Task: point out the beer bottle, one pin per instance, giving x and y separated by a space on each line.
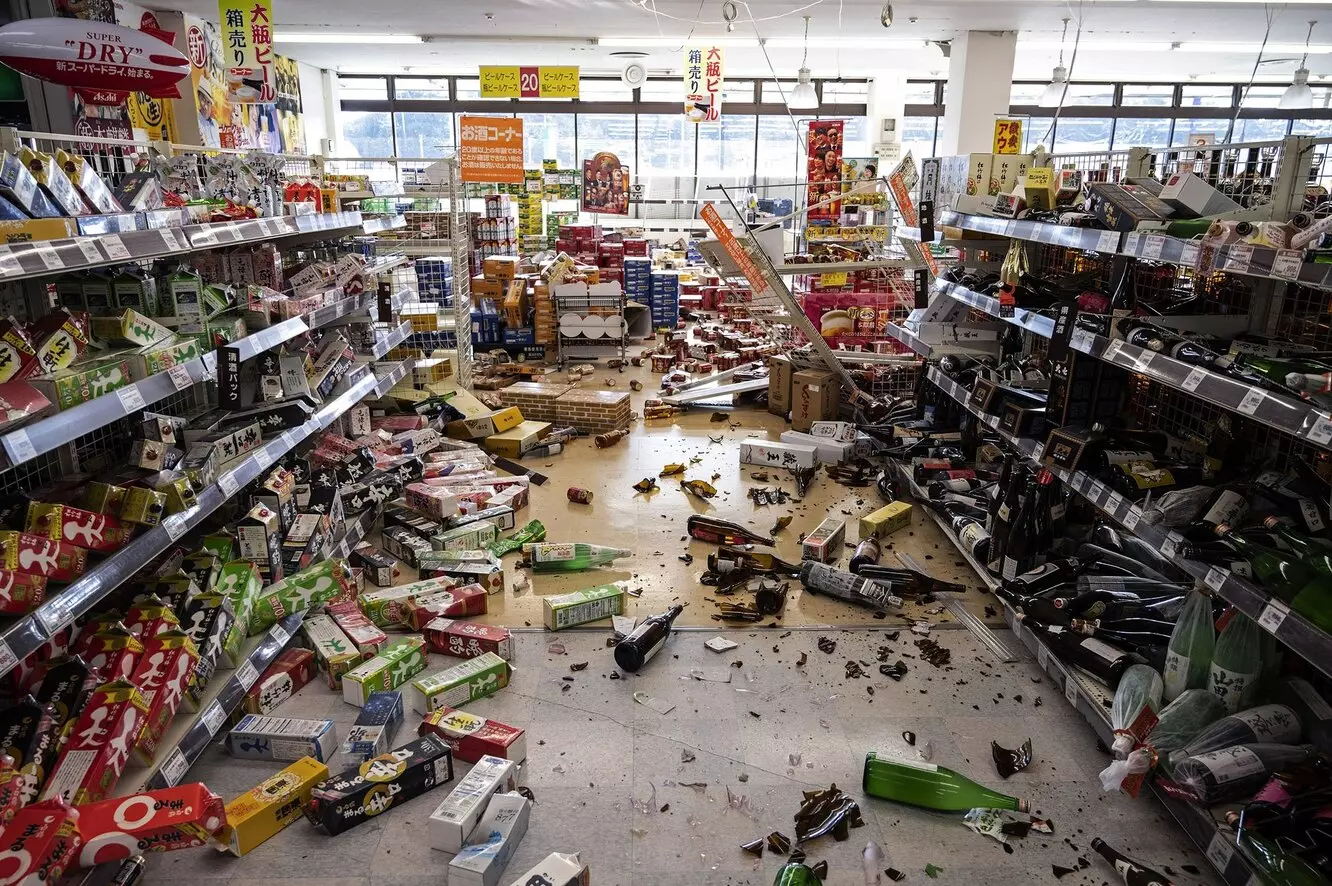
723 532
646 640
1132 872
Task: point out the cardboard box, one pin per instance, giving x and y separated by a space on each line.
557 869
580 607
836 431
815 395
41 841
824 544
1120 209
778 455
780 372
465 639
282 739
379 568
182 817
1192 196
1039 188
978 173
163 673
400 661
513 442
472 737
1006 171
886 520
464 682
372 787
436 501
828 452
265 810
453 820
334 649
376 725
492 843
282 679
99 747
456 602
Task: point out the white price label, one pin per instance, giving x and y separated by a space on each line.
1152 248
175 526
1216 577
169 238
205 237
115 247
1188 255
1145 359
1042 656
1170 546
1081 341
312 426
89 250
289 440
280 634
1194 378
1081 482
1070 688
273 226
263 458
7 657
46 252
175 767
1238 258
53 621
180 376
1131 518
1220 851
1286 264
1113 502
1131 244
9 264
210 363
246 675
1108 241
131 399
19 447
1274 613
1112 351
213 717
228 483
1321 432
1252 400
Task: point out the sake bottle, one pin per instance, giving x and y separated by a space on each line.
571 557
1273 865
1265 724
1189 653
722 532
1236 771
1139 687
930 786
820 578
1132 872
1237 662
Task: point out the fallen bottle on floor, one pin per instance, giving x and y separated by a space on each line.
571 557
1133 873
930 786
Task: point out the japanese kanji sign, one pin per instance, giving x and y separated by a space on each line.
491 149
546 81
704 73
735 249
1007 136
247 46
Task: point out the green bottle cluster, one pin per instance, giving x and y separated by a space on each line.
1302 577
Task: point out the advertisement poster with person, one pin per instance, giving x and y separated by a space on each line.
605 185
860 182
824 168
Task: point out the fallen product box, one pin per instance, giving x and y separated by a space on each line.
580 607
370 788
282 739
494 840
465 639
376 726
266 809
464 682
557 869
335 650
398 663
182 817
472 737
453 820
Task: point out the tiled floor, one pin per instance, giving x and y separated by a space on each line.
611 781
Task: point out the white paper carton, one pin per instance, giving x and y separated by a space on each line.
837 431
778 455
557 869
830 451
453 820
483 860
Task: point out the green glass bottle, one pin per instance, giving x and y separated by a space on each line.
571 557
1237 663
796 874
1280 573
930 786
1273 866
1318 551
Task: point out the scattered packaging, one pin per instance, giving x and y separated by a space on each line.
324 581
380 569
465 639
262 812
282 739
557 869
886 520
581 607
40 843
469 599
54 560
825 542
370 788
778 455
335 650
280 681
453 820
375 727
367 638
182 817
399 662
472 737
492 843
465 682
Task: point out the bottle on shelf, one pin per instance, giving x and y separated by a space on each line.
1275 570
646 640
1097 657
1266 724
1227 504
1139 687
1238 771
930 786
1273 865
723 532
1133 873
1237 663
1189 653
1020 549
571 557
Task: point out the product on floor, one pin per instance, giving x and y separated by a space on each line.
372 787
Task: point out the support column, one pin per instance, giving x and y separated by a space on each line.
980 83
887 102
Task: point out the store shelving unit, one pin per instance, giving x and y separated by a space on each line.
1088 239
1284 265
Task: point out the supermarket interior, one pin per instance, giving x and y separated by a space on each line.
797 442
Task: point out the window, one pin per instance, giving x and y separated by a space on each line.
427 88
1149 132
1036 131
1208 96
1261 96
469 89
772 95
920 92
1026 93
663 91
836 93
362 88
918 136
1260 130
1188 131
607 132
727 150
1316 128
1089 94
548 137
605 90
857 140
666 144
1081 135
1141 95
739 92
367 134
780 147
424 135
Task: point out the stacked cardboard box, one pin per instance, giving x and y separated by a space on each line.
593 412
545 315
536 400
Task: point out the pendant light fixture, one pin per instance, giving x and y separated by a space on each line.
1053 96
803 97
1298 96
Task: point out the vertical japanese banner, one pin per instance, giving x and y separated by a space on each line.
824 147
704 75
247 39
491 149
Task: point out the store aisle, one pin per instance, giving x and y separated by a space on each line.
651 798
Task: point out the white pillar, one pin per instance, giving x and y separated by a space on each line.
887 102
980 83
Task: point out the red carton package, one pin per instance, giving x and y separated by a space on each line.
40 843
465 639
149 616
157 821
20 593
114 652
359 629
87 529
471 737
99 745
283 678
18 358
417 612
25 552
164 671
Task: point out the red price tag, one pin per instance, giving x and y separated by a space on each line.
529 82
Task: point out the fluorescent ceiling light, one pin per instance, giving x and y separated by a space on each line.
842 43
1251 2
321 37
1271 48
674 42
1099 45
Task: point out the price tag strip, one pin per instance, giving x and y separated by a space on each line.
175 767
213 717
1070 689
131 398
1321 432
1216 577
1273 615
1252 400
89 250
115 247
246 674
19 448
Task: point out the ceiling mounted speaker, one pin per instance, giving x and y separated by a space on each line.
634 75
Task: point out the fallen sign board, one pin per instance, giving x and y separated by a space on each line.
735 249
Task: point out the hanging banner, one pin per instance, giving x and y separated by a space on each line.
605 185
247 35
545 81
1007 137
824 145
491 149
704 74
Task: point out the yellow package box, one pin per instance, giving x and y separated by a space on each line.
515 441
886 520
263 811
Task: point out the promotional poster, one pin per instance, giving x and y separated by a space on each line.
825 167
605 185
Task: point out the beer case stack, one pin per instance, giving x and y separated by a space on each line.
537 401
593 412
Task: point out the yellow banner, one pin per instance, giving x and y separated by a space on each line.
559 81
1007 137
513 81
704 74
835 279
247 49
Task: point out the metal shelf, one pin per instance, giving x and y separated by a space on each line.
47 257
1035 323
415 249
903 334
1284 265
1090 239
389 223
27 634
387 341
842 267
